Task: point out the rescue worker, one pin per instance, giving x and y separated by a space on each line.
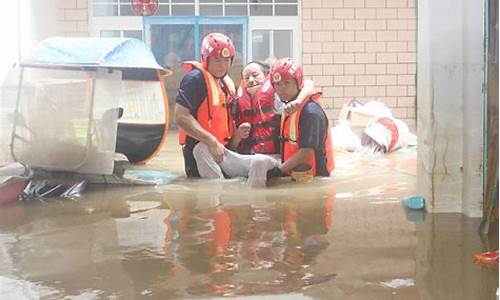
304 134
206 126
257 111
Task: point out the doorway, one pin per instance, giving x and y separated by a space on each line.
174 40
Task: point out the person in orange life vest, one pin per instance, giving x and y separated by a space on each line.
205 123
257 111
305 134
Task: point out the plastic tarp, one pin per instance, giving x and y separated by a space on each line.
67 120
71 93
94 52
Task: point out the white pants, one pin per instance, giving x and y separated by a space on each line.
254 167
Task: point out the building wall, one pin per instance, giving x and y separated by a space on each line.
364 49
72 17
450 105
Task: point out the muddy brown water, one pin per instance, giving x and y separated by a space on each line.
345 237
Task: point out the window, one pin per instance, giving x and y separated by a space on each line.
274 27
110 8
137 34
273 37
268 45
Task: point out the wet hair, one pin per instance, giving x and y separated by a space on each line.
265 68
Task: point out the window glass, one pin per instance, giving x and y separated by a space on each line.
172 43
104 10
109 33
282 43
136 34
182 10
261 45
236 10
126 10
285 10
261 10
210 10
163 10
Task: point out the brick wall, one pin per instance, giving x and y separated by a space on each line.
351 48
72 17
364 49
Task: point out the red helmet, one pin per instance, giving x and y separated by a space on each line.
216 44
286 69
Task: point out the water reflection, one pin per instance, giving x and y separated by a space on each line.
246 248
178 243
202 239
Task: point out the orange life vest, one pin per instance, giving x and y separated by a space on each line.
260 113
290 134
213 114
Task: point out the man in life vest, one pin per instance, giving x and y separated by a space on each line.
304 134
257 111
203 116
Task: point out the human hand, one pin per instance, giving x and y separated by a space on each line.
243 131
291 106
217 150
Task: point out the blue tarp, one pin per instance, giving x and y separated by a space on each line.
94 52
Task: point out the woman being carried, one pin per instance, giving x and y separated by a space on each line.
257 111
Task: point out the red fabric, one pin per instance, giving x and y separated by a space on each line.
256 111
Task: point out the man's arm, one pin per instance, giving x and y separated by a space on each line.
306 92
300 157
190 125
311 136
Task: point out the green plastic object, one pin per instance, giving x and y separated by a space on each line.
414 202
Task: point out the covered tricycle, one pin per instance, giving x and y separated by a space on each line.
80 101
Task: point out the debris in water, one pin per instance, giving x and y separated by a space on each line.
414 202
398 283
42 189
487 259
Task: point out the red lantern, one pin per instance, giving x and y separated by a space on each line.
145 7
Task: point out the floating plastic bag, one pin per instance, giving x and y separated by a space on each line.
344 138
42 189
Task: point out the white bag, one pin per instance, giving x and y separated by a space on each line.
344 138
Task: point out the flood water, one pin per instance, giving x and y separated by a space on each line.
345 237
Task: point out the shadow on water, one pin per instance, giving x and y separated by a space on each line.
345 237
